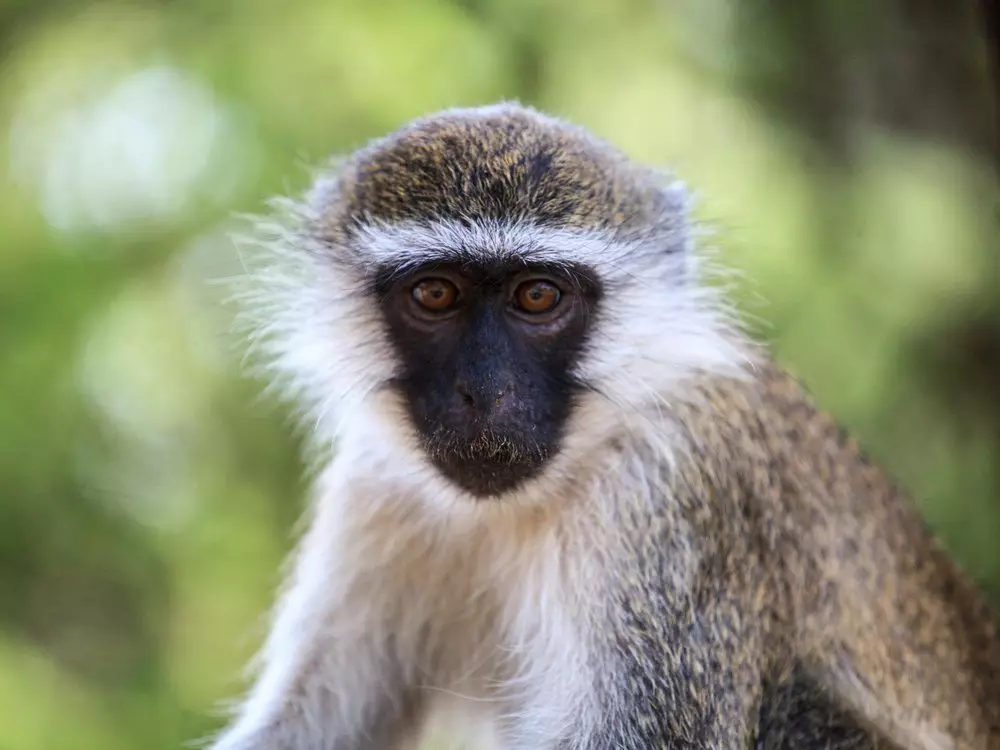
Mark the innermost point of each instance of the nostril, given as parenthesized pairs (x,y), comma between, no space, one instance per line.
(467,398)
(484,399)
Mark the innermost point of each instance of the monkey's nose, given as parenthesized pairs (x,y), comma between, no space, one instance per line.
(484,400)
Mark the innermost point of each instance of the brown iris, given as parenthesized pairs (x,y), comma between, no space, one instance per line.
(536,297)
(435,295)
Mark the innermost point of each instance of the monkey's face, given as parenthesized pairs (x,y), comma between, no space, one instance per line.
(488,355)
(520,286)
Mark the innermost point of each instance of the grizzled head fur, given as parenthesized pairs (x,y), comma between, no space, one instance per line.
(485,194)
(495,164)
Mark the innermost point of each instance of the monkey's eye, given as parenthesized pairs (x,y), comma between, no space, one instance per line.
(536,297)
(435,295)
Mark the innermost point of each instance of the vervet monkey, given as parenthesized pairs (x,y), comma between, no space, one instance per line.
(569,502)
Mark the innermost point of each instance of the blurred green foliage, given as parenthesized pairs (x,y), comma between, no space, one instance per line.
(147,495)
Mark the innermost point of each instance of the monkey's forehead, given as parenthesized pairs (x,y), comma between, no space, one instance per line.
(497,162)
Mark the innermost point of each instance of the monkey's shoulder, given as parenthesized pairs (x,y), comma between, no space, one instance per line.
(768,430)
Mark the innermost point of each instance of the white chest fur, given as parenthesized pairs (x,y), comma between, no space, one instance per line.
(480,612)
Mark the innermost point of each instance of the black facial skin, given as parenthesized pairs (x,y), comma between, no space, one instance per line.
(487,371)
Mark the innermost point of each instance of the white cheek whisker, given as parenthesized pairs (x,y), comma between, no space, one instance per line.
(657,429)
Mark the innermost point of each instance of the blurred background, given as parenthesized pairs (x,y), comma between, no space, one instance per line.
(842,149)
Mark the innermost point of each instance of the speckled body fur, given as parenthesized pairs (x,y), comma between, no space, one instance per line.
(872,606)
(707,563)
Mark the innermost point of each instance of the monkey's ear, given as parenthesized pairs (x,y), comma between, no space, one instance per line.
(681,234)
(325,182)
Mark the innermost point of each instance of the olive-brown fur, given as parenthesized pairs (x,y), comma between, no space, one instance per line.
(838,562)
(503,162)
(815,572)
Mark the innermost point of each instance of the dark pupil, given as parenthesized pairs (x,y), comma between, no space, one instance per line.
(435,294)
(538,297)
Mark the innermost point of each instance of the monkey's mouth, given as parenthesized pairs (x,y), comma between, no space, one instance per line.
(489,464)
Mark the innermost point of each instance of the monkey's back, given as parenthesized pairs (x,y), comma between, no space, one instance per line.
(855,561)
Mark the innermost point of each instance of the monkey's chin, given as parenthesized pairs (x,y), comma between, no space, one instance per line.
(487,468)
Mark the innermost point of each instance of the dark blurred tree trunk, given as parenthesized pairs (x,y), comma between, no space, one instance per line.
(910,66)
(989,14)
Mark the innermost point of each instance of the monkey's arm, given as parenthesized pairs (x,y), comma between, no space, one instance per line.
(796,713)
(906,638)
(685,652)
(328,679)
(682,684)
(888,620)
